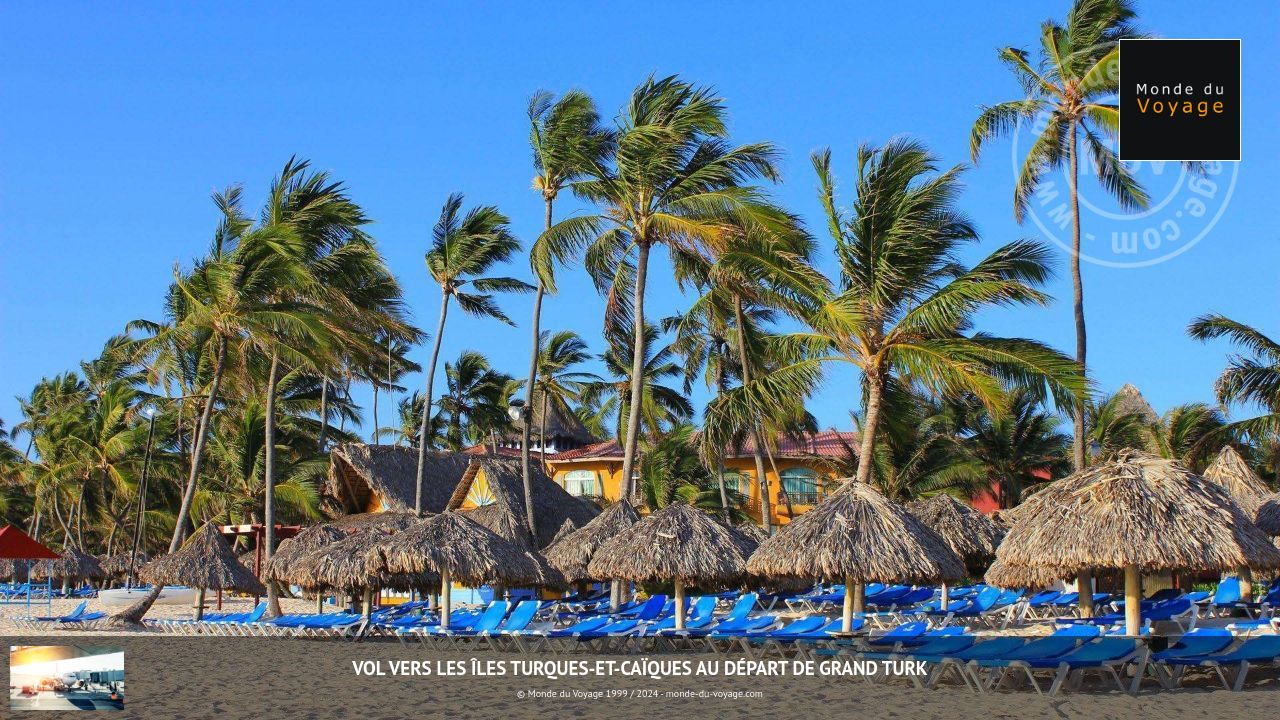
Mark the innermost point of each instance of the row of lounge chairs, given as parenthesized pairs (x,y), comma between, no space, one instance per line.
(17,591)
(79,617)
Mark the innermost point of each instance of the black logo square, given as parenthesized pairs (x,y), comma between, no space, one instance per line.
(1180,99)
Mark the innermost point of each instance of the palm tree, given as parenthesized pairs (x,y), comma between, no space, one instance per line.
(475,403)
(675,182)
(385,371)
(1018,443)
(568,141)
(463,248)
(1253,377)
(1191,432)
(919,457)
(662,407)
(559,385)
(904,300)
(1078,72)
(1112,425)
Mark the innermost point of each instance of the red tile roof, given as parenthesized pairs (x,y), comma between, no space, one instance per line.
(828,443)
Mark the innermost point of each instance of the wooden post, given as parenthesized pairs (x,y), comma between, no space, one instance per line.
(679,605)
(368,602)
(847,623)
(1132,601)
(200,605)
(319,603)
(615,595)
(1246,584)
(1084,585)
(445,586)
(859,596)
(219,598)
(946,597)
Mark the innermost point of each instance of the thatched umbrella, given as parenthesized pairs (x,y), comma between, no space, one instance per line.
(13,570)
(1268,518)
(72,564)
(390,521)
(861,536)
(344,566)
(970,534)
(205,562)
(291,550)
(458,549)
(678,543)
(571,554)
(1137,513)
(1234,474)
(567,528)
(118,566)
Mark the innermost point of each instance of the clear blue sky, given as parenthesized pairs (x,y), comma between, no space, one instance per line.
(115,126)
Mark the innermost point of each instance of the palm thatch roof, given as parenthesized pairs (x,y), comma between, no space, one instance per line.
(1129,401)
(366,476)
(14,570)
(560,422)
(1140,510)
(970,534)
(344,565)
(293,549)
(861,536)
(205,561)
(1004,575)
(73,563)
(1234,474)
(117,566)
(571,554)
(389,521)
(1268,517)
(678,542)
(451,541)
(567,528)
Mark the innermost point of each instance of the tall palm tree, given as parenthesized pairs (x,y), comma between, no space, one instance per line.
(475,403)
(463,248)
(559,385)
(384,372)
(568,141)
(1018,443)
(903,300)
(1252,377)
(675,182)
(1112,425)
(1192,433)
(1070,85)
(662,407)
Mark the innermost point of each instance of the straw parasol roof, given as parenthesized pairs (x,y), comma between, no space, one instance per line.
(470,552)
(860,535)
(205,561)
(571,554)
(678,542)
(389,521)
(567,528)
(1234,474)
(291,550)
(117,566)
(1268,517)
(970,534)
(344,565)
(72,563)
(1137,510)
(15,570)
(1004,575)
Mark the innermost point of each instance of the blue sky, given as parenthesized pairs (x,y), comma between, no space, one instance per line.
(116,126)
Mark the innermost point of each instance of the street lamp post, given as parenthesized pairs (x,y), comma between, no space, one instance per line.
(150,412)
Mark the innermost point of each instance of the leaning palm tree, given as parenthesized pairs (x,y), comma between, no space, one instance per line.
(464,248)
(1069,93)
(1249,380)
(903,301)
(568,141)
(558,384)
(674,183)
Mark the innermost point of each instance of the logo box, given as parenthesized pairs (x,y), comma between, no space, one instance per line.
(1180,100)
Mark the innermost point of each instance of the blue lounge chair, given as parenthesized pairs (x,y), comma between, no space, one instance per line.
(1226,595)
(1104,655)
(531,640)
(957,660)
(1059,643)
(1254,651)
(1180,611)
(1201,641)
(518,621)
(492,616)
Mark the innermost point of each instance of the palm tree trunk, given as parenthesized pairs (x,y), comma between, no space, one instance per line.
(872,416)
(526,431)
(637,373)
(269,483)
(724,493)
(324,411)
(1077,287)
(375,414)
(782,490)
(744,361)
(426,404)
(133,614)
(197,453)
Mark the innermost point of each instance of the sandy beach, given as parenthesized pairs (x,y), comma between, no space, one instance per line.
(187,678)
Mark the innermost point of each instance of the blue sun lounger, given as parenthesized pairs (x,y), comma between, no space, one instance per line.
(1264,649)
(958,660)
(1201,641)
(519,619)
(492,616)
(1059,643)
(1103,655)
(531,640)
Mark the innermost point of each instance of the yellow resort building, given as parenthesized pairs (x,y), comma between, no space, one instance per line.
(804,471)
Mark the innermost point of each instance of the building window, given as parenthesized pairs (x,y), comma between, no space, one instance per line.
(801,485)
(581,483)
(737,482)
